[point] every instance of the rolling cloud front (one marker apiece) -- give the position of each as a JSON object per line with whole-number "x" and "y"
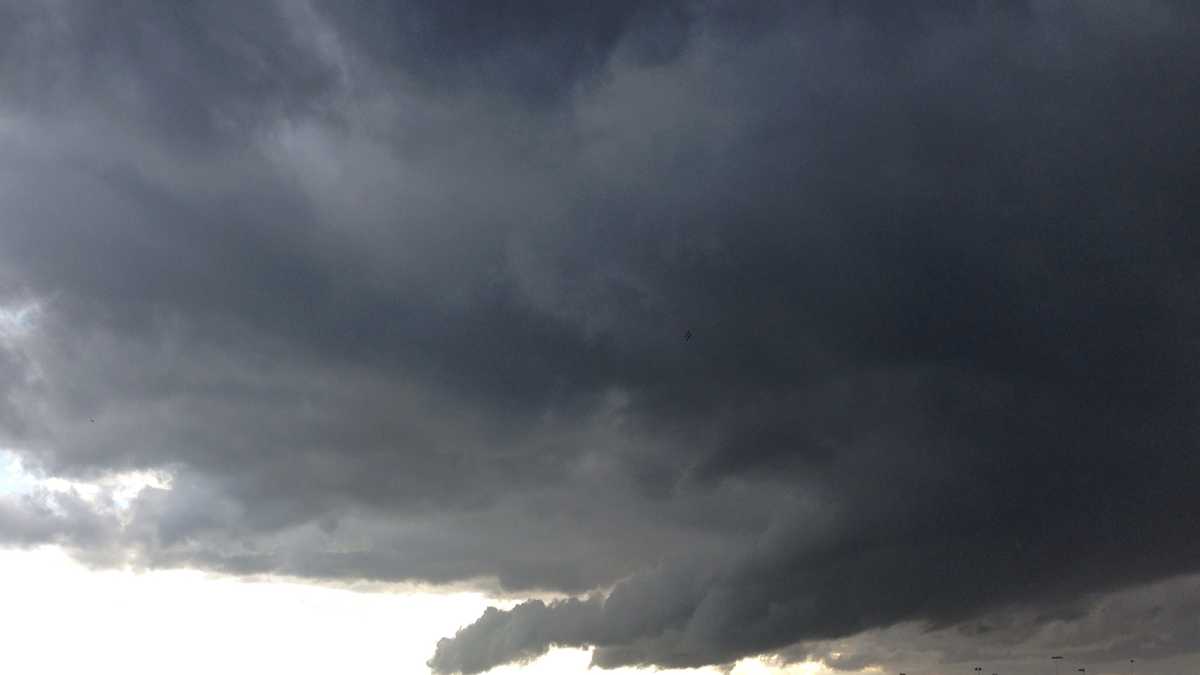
{"x": 398, "y": 291}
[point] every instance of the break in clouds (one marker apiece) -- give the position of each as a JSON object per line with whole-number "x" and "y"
{"x": 399, "y": 290}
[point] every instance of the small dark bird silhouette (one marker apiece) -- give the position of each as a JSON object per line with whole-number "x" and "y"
{"x": 93, "y": 420}
{"x": 687, "y": 336}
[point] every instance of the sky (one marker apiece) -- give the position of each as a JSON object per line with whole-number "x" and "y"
{"x": 453, "y": 336}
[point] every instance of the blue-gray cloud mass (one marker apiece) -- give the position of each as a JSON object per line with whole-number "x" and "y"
{"x": 398, "y": 291}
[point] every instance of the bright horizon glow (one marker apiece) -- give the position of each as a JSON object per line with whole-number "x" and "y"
{"x": 186, "y": 621}
{"x": 190, "y": 622}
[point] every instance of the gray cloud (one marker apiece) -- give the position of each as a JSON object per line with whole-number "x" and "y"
{"x": 59, "y": 517}
{"x": 397, "y": 291}
{"x": 522, "y": 634}
{"x": 1152, "y": 623}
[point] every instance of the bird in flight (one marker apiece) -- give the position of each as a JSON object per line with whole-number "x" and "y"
{"x": 687, "y": 336}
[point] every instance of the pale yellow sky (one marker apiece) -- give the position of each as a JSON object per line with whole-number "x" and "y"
{"x": 189, "y": 621}
{"x": 60, "y": 617}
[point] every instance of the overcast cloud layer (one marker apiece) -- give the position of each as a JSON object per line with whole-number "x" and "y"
{"x": 398, "y": 291}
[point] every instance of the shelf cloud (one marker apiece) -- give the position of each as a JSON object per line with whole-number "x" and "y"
{"x": 741, "y": 329}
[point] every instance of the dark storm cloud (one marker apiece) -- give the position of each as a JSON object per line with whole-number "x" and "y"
{"x": 61, "y": 517}
{"x": 1102, "y": 632}
{"x": 531, "y": 50}
{"x": 399, "y": 290}
{"x": 186, "y": 72}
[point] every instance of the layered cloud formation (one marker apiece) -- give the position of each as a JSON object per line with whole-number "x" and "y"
{"x": 398, "y": 291}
